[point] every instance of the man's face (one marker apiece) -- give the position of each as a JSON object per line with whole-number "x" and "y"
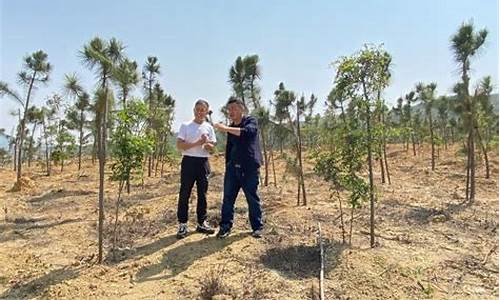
{"x": 200, "y": 112}
{"x": 235, "y": 111}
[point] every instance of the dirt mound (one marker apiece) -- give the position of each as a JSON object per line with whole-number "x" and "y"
{"x": 24, "y": 184}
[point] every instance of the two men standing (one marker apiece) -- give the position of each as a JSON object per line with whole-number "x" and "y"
{"x": 243, "y": 159}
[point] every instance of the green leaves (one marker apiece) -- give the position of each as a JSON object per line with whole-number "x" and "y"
{"x": 130, "y": 144}
{"x": 243, "y": 75}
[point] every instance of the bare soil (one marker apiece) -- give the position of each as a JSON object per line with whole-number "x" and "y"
{"x": 430, "y": 244}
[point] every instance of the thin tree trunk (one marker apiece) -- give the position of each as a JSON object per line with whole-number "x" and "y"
{"x": 298, "y": 189}
{"x": 81, "y": 141}
{"x": 21, "y": 133}
{"x": 386, "y": 166}
{"x": 413, "y": 144}
{"x": 432, "y": 142}
{"x": 47, "y": 150}
{"x": 341, "y": 216}
{"x": 370, "y": 170}
{"x": 102, "y": 165}
{"x": 162, "y": 164}
{"x": 266, "y": 161}
{"x": 412, "y": 134}
{"x": 156, "y": 156}
{"x": 31, "y": 145}
{"x": 272, "y": 164}
{"x": 384, "y": 147}
{"x": 299, "y": 156}
{"x": 467, "y": 183}
{"x": 485, "y": 154}
{"x": 15, "y": 152}
{"x": 473, "y": 169}
{"x": 381, "y": 163}
{"x": 350, "y": 225}
{"x": 150, "y": 100}
{"x": 94, "y": 149}
{"x": 120, "y": 188}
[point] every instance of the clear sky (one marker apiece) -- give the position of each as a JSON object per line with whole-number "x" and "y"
{"x": 197, "y": 42}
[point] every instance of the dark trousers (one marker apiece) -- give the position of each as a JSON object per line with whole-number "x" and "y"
{"x": 235, "y": 179}
{"x": 193, "y": 169}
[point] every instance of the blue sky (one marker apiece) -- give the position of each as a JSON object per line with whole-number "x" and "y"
{"x": 197, "y": 42}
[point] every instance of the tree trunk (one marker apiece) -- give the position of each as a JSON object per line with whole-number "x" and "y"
{"x": 384, "y": 147}
{"x": 272, "y": 164}
{"x": 102, "y": 165}
{"x": 350, "y": 225}
{"x": 473, "y": 169}
{"x": 117, "y": 208}
{"x": 341, "y": 215}
{"x": 432, "y": 142}
{"x": 298, "y": 188}
{"x": 485, "y": 154}
{"x": 386, "y": 165}
{"x": 381, "y": 163}
{"x": 47, "y": 150}
{"x": 162, "y": 165}
{"x": 15, "y": 152}
{"x": 150, "y": 103}
{"x": 21, "y": 133}
{"x": 412, "y": 134}
{"x": 30, "y": 149}
{"x": 370, "y": 169}
{"x": 266, "y": 161}
{"x": 94, "y": 148}
{"x": 299, "y": 156}
{"x": 468, "y": 164}
{"x": 81, "y": 141}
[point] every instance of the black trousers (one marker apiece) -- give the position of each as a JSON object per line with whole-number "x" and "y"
{"x": 193, "y": 169}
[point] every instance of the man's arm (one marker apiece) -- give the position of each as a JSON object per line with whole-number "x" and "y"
{"x": 249, "y": 128}
{"x": 231, "y": 130}
{"x": 183, "y": 145}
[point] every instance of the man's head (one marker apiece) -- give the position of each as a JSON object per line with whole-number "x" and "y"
{"x": 235, "y": 109}
{"x": 200, "y": 110}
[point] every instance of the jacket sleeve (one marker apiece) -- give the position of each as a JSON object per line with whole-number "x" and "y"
{"x": 249, "y": 128}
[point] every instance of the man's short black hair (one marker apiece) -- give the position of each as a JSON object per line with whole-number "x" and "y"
{"x": 233, "y": 99}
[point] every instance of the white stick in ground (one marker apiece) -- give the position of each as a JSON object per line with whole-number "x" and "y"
{"x": 322, "y": 267}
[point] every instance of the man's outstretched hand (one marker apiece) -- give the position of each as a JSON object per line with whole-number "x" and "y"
{"x": 220, "y": 127}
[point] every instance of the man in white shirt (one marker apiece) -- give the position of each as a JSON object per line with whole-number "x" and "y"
{"x": 196, "y": 139}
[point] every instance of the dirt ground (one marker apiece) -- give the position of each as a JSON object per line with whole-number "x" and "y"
{"x": 430, "y": 244}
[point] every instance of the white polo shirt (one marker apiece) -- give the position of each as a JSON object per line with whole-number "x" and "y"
{"x": 191, "y": 132}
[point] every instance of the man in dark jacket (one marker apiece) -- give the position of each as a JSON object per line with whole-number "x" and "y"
{"x": 243, "y": 159}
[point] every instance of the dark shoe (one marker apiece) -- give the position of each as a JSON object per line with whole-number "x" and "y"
{"x": 257, "y": 233}
{"x": 183, "y": 231}
{"x": 205, "y": 228}
{"x": 223, "y": 233}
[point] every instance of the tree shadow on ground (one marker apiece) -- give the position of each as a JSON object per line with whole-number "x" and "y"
{"x": 302, "y": 261}
{"x": 38, "y": 286}
{"x": 179, "y": 259}
{"x": 57, "y": 194}
{"x": 419, "y": 215}
{"x": 142, "y": 251}
{"x": 13, "y": 231}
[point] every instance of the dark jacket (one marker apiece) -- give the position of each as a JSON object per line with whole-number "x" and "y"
{"x": 244, "y": 149}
